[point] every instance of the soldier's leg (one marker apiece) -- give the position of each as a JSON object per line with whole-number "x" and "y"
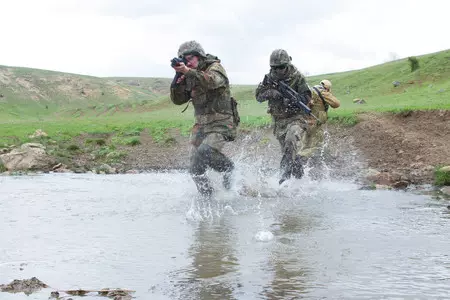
{"x": 280, "y": 131}
{"x": 198, "y": 172}
{"x": 316, "y": 161}
{"x": 306, "y": 150}
{"x": 198, "y": 164}
{"x": 217, "y": 160}
{"x": 289, "y": 162}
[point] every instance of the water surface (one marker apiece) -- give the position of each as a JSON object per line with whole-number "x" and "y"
{"x": 151, "y": 233}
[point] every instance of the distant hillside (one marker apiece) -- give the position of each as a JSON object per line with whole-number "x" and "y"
{"x": 31, "y": 93}
{"x": 378, "y": 80}
{"x": 24, "y": 91}
{"x": 155, "y": 86}
{"x": 428, "y": 87}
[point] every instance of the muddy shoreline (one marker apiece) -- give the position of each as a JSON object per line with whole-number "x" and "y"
{"x": 395, "y": 150}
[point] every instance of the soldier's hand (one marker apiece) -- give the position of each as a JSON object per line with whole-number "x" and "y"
{"x": 180, "y": 79}
{"x": 276, "y": 94}
{"x": 181, "y": 68}
{"x": 271, "y": 94}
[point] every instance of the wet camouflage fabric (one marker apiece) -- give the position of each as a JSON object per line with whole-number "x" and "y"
{"x": 290, "y": 137}
{"x": 313, "y": 138}
{"x": 213, "y": 139}
{"x": 208, "y": 89}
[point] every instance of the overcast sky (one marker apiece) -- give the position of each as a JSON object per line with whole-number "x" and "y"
{"x": 139, "y": 37}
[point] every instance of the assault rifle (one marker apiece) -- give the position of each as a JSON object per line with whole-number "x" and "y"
{"x": 297, "y": 100}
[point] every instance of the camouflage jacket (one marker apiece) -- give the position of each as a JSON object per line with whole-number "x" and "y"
{"x": 318, "y": 106}
{"x": 277, "y": 107}
{"x": 208, "y": 89}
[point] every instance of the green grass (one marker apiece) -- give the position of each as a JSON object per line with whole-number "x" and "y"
{"x": 148, "y": 107}
{"x": 441, "y": 177}
{"x": 129, "y": 141}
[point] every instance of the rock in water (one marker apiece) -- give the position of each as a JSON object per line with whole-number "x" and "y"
{"x": 27, "y": 286}
{"x": 29, "y": 156}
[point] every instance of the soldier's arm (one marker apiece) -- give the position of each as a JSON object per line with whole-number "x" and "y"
{"x": 331, "y": 99}
{"x": 213, "y": 78}
{"x": 178, "y": 94}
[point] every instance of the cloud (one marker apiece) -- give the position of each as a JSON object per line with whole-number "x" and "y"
{"x": 139, "y": 37}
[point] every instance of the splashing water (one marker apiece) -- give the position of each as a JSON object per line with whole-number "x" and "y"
{"x": 264, "y": 236}
{"x": 256, "y": 176}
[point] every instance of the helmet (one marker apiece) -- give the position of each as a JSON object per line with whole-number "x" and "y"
{"x": 326, "y": 84}
{"x": 279, "y": 57}
{"x": 191, "y": 47}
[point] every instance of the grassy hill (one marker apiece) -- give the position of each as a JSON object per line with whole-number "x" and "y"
{"x": 68, "y": 104}
{"x": 426, "y": 88}
{"x": 32, "y": 93}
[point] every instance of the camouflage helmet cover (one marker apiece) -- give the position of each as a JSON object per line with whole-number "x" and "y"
{"x": 326, "y": 84}
{"x": 279, "y": 57}
{"x": 191, "y": 47}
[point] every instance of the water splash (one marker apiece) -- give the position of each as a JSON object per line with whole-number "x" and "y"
{"x": 256, "y": 177}
{"x": 264, "y": 236}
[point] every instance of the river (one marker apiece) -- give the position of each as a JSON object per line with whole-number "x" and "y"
{"x": 151, "y": 233}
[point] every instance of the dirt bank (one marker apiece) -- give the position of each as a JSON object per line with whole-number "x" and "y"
{"x": 408, "y": 144}
{"x": 404, "y": 147}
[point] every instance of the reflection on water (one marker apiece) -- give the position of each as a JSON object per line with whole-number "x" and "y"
{"x": 214, "y": 260}
{"x": 149, "y": 232}
{"x": 291, "y": 273}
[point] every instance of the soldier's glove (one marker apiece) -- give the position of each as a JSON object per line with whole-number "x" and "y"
{"x": 270, "y": 94}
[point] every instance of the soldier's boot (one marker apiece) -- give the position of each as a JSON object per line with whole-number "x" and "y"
{"x": 203, "y": 184}
{"x": 285, "y": 168}
{"x": 220, "y": 163}
{"x": 297, "y": 167}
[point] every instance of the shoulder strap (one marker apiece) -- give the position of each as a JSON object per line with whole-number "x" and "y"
{"x": 186, "y": 106}
{"x": 321, "y": 97}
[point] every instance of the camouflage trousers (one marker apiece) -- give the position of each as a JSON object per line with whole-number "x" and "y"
{"x": 206, "y": 151}
{"x": 290, "y": 135}
{"x": 312, "y": 141}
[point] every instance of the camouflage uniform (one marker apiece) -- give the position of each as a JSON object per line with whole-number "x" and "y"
{"x": 289, "y": 122}
{"x": 208, "y": 88}
{"x": 313, "y": 139}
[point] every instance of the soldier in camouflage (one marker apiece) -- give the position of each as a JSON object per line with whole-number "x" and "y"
{"x": 204, "y": 82}
{"x": 322, "y": 99}
{"x": 289, "y": 123}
